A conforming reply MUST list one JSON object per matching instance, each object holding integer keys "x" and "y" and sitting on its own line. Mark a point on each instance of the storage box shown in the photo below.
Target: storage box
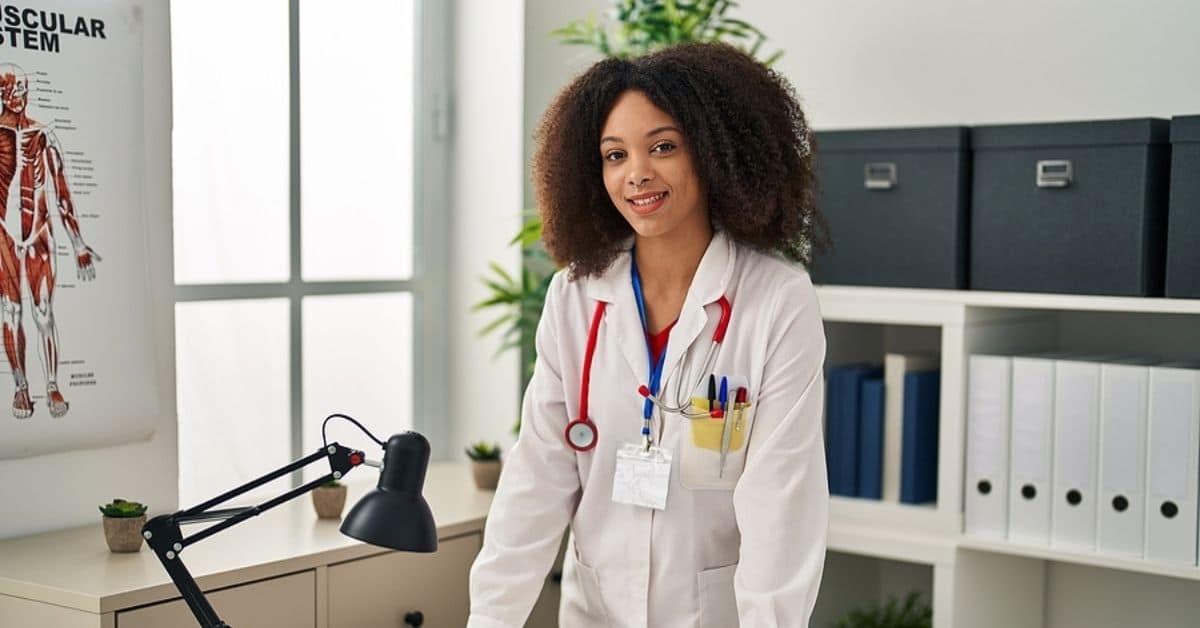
{"x": 1070, "y": 207}
{"x": 1183, "y": 221}
{"x": 896, "y": 204}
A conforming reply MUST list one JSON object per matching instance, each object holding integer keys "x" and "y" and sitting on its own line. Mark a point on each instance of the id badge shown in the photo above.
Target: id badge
{"x": 642, "y": 477}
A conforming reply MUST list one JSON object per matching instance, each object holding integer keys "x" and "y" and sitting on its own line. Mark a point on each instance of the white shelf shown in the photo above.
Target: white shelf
{"x": 892, "y": 542}
{"x": 900, "y": 305}
{"x": 1136, "y": 565}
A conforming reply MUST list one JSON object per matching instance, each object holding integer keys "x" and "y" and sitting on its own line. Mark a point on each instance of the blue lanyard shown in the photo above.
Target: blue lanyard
{"x": 655, "y": 368}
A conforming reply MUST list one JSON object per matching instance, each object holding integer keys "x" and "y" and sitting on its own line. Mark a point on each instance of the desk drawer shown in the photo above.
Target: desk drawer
{"x": 284, "y": 602}
{"x": 381, "y": 590}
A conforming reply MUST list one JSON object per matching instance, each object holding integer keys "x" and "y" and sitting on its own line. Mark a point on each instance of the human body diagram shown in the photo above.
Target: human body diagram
{"x": 32, "y": 180}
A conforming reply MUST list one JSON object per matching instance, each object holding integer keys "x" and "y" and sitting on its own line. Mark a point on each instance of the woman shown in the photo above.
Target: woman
{"x": 666, "y": 183}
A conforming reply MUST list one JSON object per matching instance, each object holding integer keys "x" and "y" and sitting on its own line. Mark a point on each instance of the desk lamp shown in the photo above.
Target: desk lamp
{"x": 393, "y": 515}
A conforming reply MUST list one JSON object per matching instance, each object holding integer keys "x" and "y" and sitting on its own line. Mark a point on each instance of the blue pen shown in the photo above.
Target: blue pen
{"x": 724, "y": 397}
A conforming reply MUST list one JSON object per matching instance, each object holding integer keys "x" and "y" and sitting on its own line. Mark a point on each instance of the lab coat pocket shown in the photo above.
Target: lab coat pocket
{"x": 718, "y": 603}
{"x": 701, "y": 464}
{"x": 585, "y": 605}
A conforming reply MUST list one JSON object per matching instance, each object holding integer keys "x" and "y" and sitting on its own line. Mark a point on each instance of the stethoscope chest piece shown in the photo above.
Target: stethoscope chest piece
{"x": 581, "y": 434}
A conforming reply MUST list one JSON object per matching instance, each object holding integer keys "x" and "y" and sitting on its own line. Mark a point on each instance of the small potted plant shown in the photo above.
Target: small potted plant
{"x": 485, "y": 464}
{"x": 123, "y": 521}
{"x": 329, "y": 499}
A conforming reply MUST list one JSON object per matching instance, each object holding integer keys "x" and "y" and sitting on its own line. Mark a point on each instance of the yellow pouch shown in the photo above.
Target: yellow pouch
{"x": 706, "y": 431}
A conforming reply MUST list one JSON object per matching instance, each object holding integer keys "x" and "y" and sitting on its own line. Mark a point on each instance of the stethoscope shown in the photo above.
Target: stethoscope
{"x": 581, "y": 433}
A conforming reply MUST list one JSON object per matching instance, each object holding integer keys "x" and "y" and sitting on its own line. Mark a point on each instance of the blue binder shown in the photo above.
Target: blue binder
{"x": 870, "y": 435}
{"x": 842, "y": 437}
{"x": 919, "y": 455}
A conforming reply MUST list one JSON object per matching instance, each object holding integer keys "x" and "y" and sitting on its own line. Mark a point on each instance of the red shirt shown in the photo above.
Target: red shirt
{"x": 658, "y": 342}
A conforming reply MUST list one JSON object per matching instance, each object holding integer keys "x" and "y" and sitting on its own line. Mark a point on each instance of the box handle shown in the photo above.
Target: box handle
{"x": 879, "y": 176}
{"x": 1054, "y": 173}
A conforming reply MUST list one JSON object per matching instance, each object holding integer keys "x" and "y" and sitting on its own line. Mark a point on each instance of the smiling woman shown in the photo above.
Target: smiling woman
{"x": 678, "y": 190}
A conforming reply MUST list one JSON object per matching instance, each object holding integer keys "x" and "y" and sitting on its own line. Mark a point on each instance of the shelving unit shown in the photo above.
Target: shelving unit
{"x": 985, "y": 583}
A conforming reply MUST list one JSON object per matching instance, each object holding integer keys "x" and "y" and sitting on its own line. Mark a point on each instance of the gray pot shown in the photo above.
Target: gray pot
{"x": 124, "y": 534}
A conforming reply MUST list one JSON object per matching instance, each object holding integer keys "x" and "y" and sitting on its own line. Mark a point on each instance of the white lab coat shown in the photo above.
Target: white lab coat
{"x": 749, "y": 546}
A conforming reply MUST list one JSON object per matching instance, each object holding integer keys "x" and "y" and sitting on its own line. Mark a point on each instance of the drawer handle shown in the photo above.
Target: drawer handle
{"x": 415, "y": 618}
{"x": 879, "y": 176}
{"x": 1054, "y": 173}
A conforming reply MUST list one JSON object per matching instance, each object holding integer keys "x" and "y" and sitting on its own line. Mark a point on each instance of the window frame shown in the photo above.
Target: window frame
{"x": 429, "y": 282}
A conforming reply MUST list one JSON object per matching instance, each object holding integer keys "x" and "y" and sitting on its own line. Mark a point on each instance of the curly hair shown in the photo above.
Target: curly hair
{"x": 750, "y": 142}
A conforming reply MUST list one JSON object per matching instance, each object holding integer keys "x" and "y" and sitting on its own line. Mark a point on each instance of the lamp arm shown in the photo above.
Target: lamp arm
{"x": 164, "y": 536}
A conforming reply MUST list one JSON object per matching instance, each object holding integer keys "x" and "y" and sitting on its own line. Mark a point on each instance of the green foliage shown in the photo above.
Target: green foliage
{"x": 121, "y": 509}
{"x": 912, "y": 613}
{"x": 484, "y": 451}
{"x": 640, "y": 26}
{"x": 331, "y": 484}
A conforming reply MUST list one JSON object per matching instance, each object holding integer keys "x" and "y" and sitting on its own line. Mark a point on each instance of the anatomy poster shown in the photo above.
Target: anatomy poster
{"x": 78, "y": 366}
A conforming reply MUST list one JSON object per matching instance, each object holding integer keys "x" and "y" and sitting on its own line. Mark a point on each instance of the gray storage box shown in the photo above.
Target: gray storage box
{"x": 1074, "y": 207}
{"x": 896, "y": 204}
{"x": 1183, "y": 223}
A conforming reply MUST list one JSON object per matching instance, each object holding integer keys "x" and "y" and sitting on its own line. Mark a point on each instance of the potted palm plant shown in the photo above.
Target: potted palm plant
{"x": 894, "y": 614}
{"x": 485, "y": 464}
{"x": 123, "y": 521}
{"x": 329, "y": 499}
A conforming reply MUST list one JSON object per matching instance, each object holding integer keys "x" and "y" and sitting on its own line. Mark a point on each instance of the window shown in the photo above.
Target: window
{"x": 298, "y": 211}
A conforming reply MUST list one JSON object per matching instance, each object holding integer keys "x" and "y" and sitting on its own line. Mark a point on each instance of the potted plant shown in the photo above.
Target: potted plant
{"x": 123, "y": 521}
{"x": 485, "y": 464}
{"x": 910, "y": 614}
{"x": 329, "y": 499}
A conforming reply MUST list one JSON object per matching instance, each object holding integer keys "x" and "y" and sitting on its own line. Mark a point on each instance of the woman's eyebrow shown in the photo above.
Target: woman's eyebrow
{"x": 610, "y": 138}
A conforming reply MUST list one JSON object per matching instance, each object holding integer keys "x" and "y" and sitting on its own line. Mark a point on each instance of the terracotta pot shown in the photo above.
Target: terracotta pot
{"x": 124, "y": 534}
{"x": 487, "y": 473}
{"x": 329, "y": 501}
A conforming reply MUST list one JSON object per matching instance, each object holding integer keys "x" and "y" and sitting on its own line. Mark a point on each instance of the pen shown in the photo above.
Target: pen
{"x": 739, "y": 405}
{"x": 712, "y": 390}
{"x": 723, "y": 398}
{"x": 736, "y": 418}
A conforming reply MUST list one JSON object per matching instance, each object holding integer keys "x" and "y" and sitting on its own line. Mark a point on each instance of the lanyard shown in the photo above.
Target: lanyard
{"x": 656, "y": 367}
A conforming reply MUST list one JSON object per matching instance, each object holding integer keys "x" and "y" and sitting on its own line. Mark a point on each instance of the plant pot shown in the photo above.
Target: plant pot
{"x": 124, "y": 534}
{"x": 329, "y": 501}
{"x": 487, "y": 473}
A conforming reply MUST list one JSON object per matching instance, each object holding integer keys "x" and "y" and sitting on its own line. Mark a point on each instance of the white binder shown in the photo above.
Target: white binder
{"x": 895, "y": 365}
{"x": 1073, "y": 509}
{"x": 989, "y": 393}
{"x": 1121, "y": 523}
{"x": 1172, "y": 464}
{"x": 1032, "y": 449}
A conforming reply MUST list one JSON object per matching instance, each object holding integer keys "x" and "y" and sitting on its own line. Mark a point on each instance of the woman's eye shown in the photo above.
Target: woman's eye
{"x": 665, "y": 147}
{"x": 614, "y": 155}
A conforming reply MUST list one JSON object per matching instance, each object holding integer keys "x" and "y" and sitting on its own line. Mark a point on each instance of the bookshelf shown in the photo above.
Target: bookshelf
{"x": 985, "y": 583}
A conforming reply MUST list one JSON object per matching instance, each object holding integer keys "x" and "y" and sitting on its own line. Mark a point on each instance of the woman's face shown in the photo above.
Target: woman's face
{"x": 648, "y": 169}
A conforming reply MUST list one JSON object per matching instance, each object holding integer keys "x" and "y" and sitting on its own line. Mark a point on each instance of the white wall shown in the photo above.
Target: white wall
{"x": 487, "y": 171}
{"x": 932, "y": 62}
{"x": 63, "y": 490}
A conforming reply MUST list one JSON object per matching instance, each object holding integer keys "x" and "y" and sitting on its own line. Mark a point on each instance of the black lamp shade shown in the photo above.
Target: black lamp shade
{"x": 395, "y": 515}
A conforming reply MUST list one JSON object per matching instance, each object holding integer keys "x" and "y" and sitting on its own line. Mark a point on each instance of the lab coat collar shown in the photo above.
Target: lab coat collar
{"x": 710, "y": 282}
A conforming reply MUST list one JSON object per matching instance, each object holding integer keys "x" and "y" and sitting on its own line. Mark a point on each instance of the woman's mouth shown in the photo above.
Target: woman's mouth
{"x": 647, "y": 203}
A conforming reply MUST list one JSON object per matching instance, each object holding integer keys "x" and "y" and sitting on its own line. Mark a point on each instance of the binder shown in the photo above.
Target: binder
{"x": 843, "y": 418}
{"x": 895, "y": 366}
{"x": 870, "y": 434}
{"x": 1124, "y": 391}
{"x": 1073, "y": 510}
{"x": 1172, "y": 464}
{"x": 989, "y": 394}
{"x": 919, "y": 455}
{"x": 1032, "y": 449}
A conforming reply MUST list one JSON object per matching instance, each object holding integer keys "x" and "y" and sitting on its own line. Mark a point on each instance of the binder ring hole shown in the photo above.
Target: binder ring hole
{"x": 1028, "y": 491}
{"x": 1120, "y": 504}
{"x": 1074, "y": 497}
{"x": 1169, "y": 510}
{"x": 985, "y": 487}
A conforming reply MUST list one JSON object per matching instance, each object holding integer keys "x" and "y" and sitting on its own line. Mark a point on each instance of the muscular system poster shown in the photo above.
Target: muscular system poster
{"x": 75, "y": 315}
